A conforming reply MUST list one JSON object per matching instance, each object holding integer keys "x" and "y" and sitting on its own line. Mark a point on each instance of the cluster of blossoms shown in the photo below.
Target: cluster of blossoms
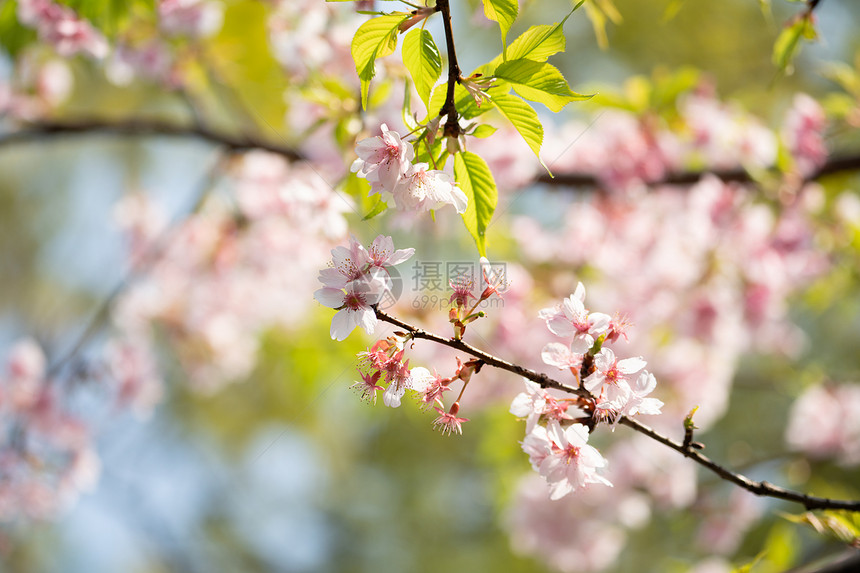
{"x": 704, "y": 270}
{"x": 834, "y": 413}
{"x": 46, "y": 453}
{"x": 37, "y": 87}
{"x": 229, "y": 272}
{"x": 384, "y": 363}
{"x": 60, "y": 27}
{"x": 610, "y": 388}
{"x": 358, "y": 279}
{"x": 194, "y": 18}
{"x": 386, "y": 162}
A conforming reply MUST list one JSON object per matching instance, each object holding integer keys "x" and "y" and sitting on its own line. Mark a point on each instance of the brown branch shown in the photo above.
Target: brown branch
{"x": 38, "y": 131}
{"x": 761, "y": 488}
{"x": 542, "y": 379}
{"x": 833, "y": 165}
{"x": 449, "y": 108}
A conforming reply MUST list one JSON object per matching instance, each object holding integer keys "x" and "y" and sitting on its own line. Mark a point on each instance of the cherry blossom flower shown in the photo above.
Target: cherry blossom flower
{"x": 572, "y": 319}
{"x": 462, "y": 287}
{"x": 195, "y": 18}
{"x": 803, "y": 133}
{"x": 477, "y": 85}
{"x": 383, "y": 160}
{"x": 382, "y": 252}
{"x": 530, "y": 404}
{"x": 448, "y": 422}
{"x": 354, "y": 307}
{"x": 431, "y": 386}
{"x": 610, "y": 371}
{"x": 348, "y": 264}
{"x": 494, "y": 279}
{"x": 61, "y": 27}
{"x": 560, "y": 356}
{"x": 399, "y": 379}
{"x": 425, "y": 189}
{"x": 536, "y": 402}
{"x": 564, "y": 458}
{"x": 825, "y": 422}
{"x": 367, "y": 386}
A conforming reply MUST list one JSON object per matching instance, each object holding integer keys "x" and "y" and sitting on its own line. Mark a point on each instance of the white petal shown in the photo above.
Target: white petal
{"x": 631, "y": 365}
{"x": 366, "y": 318}
{"x": 400, "y": 255}
{"x": 577, "y": 435}
{"x": 330, "y": 297}
{"x": 391, "y": 397}
{"x": 341, "y": 325}
{"x": 556, "y": 354}
{"x": 421, "y": 379}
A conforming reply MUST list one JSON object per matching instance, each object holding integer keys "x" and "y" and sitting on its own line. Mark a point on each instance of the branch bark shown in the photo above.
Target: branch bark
{"x": 760, "y": 488}
{"x": 449, "y": 108}
{"x": 39, "y": 131}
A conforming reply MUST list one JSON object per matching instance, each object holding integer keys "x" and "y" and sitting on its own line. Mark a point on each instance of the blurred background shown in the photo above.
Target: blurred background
{"x": 267, "y": 460}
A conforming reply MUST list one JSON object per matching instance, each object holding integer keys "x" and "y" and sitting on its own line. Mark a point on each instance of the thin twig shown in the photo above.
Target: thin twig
{"x": 761, "y": 488}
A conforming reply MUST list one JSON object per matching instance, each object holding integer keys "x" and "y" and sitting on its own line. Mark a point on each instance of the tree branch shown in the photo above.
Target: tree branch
{"x": 38, "y": 131}
{"x": 449, "y": 108}
{"x": 761, "y": 488}
{"x": 833, "y": 165}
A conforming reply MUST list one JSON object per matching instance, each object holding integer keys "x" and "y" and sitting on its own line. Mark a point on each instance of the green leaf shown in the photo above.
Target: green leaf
{"x": 476, "y": 181}
{"x": 504, "y": 12}
{"x": 524, "y": 119}
{"x": 538, "y": 81}
{"x": 374, "y": 39}
{"x": 483, "y": 130}
{"x": 600, "y": 12}
{"x": 13, "y": 36}
{"x": 422, "y": 59}
{"x": 787, "y": 44}
{"x": 538, "y": 42}
{"x": 380, "y": 207}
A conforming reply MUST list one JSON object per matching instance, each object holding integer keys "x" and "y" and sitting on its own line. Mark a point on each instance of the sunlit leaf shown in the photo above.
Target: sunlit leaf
{"x": 524, "y": 119}
{"x": 483, "y": 130}
{"x": 504, "y": 12}
{"x": 422, "y": 59}
{"x": 476, "y": 181}
{"x": 538, "y": 81}
{"x": 375, "y": 38}
{"x": 788, "y": 44}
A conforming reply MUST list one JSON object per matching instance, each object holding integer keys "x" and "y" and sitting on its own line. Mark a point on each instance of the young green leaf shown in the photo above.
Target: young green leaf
{"x": 380, "y": 207}
{"x": 476, "y": 181}
{"x": 538, "y": 81}
{"x": 600, "y": 12}
{"x": 504, "y": 12}
{"x": 524, "y": 119}
{"x": 374, "y": 39}
{"x": 422, "y": 59}
{"x": 538, "y": 42}
{"x": 787, "y": 44}
{"x": 483, "y": 130}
